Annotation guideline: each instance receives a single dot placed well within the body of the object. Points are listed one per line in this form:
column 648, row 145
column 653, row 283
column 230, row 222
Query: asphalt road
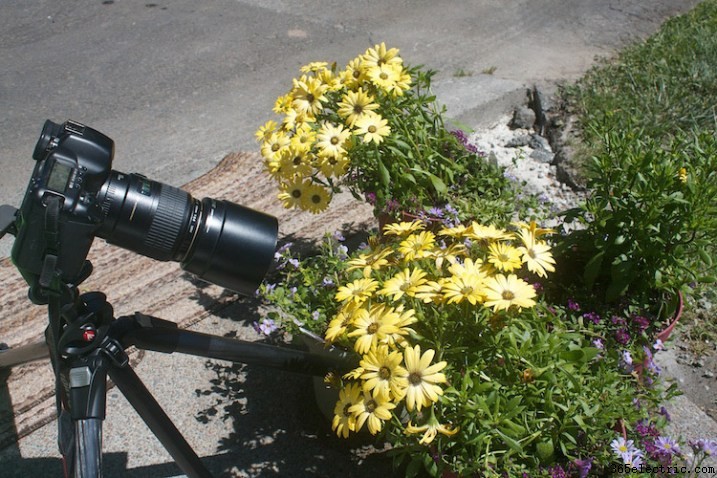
column 180, row 84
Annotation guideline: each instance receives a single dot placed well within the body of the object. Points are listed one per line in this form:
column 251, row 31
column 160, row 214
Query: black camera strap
column 51, row 283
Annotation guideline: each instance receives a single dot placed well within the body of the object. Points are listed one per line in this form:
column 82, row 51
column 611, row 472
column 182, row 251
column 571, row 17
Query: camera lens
column 218, row 241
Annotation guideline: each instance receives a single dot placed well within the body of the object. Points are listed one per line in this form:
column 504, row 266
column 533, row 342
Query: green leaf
column 512, row 443
column 438, row 184
column 384, row 174
column 705, row 256
column 545, row 451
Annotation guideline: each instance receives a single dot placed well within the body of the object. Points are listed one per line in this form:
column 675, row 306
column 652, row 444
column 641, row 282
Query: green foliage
column 650, row 220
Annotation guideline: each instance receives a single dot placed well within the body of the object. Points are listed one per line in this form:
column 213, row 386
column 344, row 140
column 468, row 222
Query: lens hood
column 233, row 247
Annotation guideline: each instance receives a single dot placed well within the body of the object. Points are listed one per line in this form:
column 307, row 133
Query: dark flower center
column 316, row 199
column 296, row 193
column 384, row 373
column 415, row 378
column 372, row 329
column 508, row 295
column 372, row 129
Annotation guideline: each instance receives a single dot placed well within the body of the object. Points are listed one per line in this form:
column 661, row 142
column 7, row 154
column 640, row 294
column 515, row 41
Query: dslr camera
column 216, row 240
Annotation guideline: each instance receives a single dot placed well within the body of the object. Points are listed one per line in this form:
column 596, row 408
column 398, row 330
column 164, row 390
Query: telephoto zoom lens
column 218, row 241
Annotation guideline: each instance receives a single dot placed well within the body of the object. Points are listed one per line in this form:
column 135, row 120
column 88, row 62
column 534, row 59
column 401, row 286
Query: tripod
column 87, row 344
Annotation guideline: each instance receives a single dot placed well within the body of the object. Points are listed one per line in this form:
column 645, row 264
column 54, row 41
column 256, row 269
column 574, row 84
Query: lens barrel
column 218, row 241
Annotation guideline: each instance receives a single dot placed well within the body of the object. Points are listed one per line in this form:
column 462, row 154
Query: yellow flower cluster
column 324, row 115
column 399, row 278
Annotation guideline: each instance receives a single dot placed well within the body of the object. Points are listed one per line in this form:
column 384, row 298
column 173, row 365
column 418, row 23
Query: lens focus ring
column 168, row 220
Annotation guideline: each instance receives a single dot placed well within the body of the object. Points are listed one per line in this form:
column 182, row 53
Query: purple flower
column 599, row 344
column 435, row 212
column 633, row 459
column 663, row 411
column 342, row 252
column 510, row 176
column 621, row 446
column 641, row 323
column 650, row 362
column 622, row 336
column 371, row 198
column 294, row 262
column 708, row 447
column 572, row 305
column 557, row 472
column 617, row 320
column 338, row 236
column 316, row 315
column 327, row 282
column 667, row 445
column 593, row 317
column 267, row 326
column 584, row 466
column 658, row 345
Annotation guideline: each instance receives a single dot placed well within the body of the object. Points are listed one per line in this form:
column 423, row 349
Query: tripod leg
column 158, row 422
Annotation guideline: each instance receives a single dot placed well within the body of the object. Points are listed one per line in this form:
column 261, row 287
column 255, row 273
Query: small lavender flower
column 316, row 315
column 267, row 326
column 584, row 466
column 620, row 446
column 338, row 236
column 663, row 411
column 293, row 291
column 510, row 176
column 667, row 445
column 599, row 344
column 658, row 345
column 572, row 305
column 543, row 198
column 626, row 358
column 650, row 362
column 327, row 282
column 557, row 471
column 708, row 447
column 371, row 198
column 633, row 459
column 593, row 317
column 294, row 262
column 435, row 212
column 342, row 252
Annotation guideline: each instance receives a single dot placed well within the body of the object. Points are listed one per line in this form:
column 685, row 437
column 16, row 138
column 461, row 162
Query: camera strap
column 51, row 283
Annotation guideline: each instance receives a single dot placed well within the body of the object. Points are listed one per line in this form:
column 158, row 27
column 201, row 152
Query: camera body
column 218, row 241
column 72, row 163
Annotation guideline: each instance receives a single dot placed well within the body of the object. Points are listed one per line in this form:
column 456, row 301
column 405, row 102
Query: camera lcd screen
column 58, row 177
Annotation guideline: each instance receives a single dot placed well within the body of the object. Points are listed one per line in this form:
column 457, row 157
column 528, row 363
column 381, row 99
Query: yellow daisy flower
column 682, row 175
column 332, row 140
column 355, row 74
column 504, row 257
column 314, row 66
column 457, row 232
column 266, row 130
column 505, row 292
column 423, row 378
column 317, row 198
column 385, row 76
column 344, row 419
column 283, row 104
column 339, row 324
column 417, row 246
column 334, row 166
column 274, row 145
column 371, row 261
column 292, row 192
column 383, row 374
column 357, row 291
column 450, row 254
column 431, row 291
column 372, row 327
column 373, row 128
column 295, row 162
column 379, row 55
column 469, row 267
column 304, row 137
column 468, row 287
column 373, row 411
column 430, row 430
column 405, row 282
column 538, row 258
column 308, row 95
column 355, row 105
column 489, row 233
column 403, row 228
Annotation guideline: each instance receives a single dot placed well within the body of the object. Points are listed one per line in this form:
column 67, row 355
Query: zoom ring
column 167, row 221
